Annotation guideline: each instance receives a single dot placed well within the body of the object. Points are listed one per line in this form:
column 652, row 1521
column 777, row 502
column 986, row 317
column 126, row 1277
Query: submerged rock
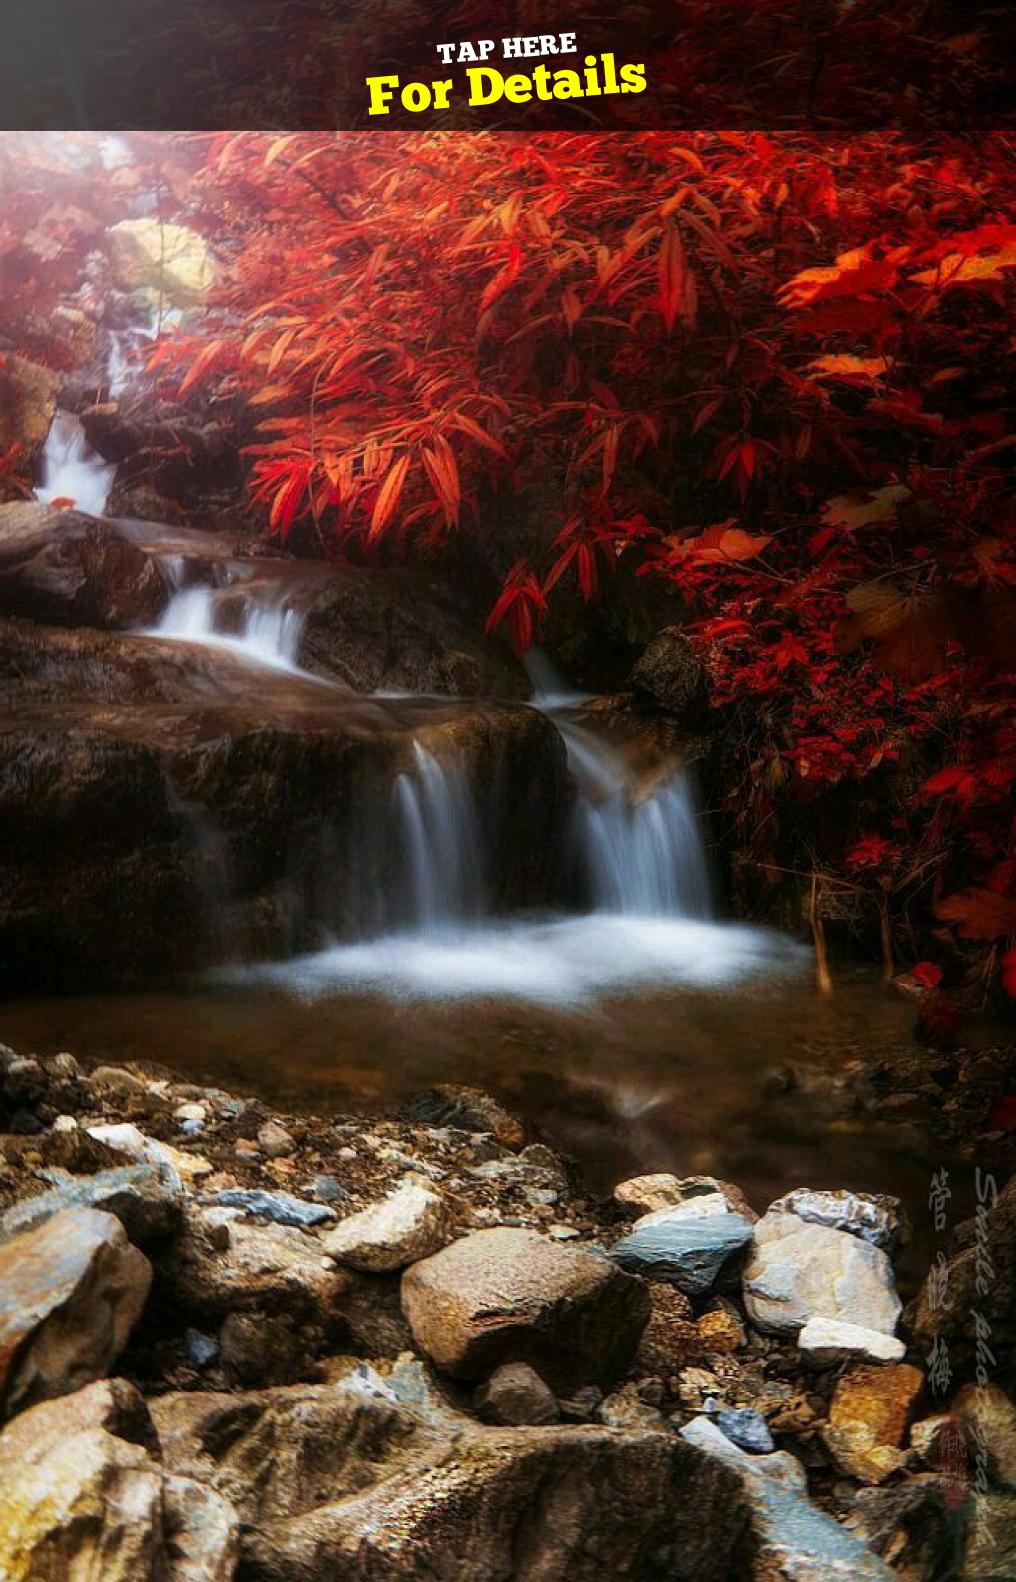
column 71, row 1291
column 692, row 1244
column 797, row 1271
column 411, row 1223
column 509, row 1295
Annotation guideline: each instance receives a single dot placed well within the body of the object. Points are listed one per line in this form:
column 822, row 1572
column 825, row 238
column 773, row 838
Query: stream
column 637, row 1029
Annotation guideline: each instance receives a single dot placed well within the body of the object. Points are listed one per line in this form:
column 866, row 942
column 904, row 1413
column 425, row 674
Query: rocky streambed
column 242, row 1343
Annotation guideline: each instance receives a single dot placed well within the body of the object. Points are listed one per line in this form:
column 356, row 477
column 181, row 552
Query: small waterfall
column 439, row 834
column 71, row 469
column 641, row 858
column 268, row 633
column 638, row 855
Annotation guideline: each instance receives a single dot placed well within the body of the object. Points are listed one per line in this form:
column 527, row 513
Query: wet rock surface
column 542, row 1413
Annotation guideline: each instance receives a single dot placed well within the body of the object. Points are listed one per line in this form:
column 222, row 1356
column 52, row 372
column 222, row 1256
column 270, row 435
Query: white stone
column 825, row 1340
column 798, row 1271
column 411, row 1223
column 127, row 1139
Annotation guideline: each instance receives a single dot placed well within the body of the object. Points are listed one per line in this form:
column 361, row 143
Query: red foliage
column 774, row 370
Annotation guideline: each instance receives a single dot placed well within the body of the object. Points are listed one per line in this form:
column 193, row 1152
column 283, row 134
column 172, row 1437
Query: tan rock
column 868, row 1417
column 71, row 1291
column 27, row 403
column 82, row 1495
column 988, row 1417
column 647, row 1194
column 221, row 1263
column 720, row 1329
column 510, row 1295
column 410, row 1223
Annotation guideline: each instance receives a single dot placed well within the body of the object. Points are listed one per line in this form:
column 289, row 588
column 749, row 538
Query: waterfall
column 71, row 469
column 268, row 628
column 639, row 855
column 439, row 836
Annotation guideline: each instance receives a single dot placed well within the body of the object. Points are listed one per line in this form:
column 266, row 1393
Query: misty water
column 638, row 1030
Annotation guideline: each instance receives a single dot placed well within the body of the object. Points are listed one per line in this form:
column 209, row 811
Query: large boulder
column 74, row 569
column 28, row 393
column 71, row 1291
column 83, row 1494
column 170, row 262
column 376, row 1476
column 386, row 631
column 511, row 1295
column 164, row 805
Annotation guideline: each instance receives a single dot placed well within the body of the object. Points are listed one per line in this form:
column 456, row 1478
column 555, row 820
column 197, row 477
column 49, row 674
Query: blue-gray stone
column 279, row 1207
column 689, row 1253
column 745, row 1428
column 201, row 1349
column 147, row 1200
column 330, row 1190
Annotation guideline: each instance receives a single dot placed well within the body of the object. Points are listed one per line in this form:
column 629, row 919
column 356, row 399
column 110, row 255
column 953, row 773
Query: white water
column 567, row 961
column 439, row 833
column 71, row 469
column 641, row 860
column 269, row 633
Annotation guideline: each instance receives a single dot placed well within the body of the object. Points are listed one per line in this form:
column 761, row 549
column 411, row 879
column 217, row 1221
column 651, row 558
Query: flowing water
column 639, row 1031
column 71, row 470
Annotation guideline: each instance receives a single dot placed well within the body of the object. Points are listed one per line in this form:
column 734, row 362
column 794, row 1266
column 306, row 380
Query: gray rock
column 411, row 1223
column 874, row 1217
column 281, row 1208
column 798, row 1271
column 794, row 1541
column 330, row 1190
column 510, row 1295
column 71, row 1291
column 146, row 1199
column 516, row 1396
column 690, row 1249
column 745, row 1428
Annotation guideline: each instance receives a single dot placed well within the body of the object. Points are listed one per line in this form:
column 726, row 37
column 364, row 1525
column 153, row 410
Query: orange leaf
column 388, row 497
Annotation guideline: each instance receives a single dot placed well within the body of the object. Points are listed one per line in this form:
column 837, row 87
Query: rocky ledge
column 235, row 1343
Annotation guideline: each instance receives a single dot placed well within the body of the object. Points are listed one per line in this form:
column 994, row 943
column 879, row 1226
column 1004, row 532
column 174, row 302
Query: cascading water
column 439, row 833
column 414, row 890
column 267, row 634
column 71, row 469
